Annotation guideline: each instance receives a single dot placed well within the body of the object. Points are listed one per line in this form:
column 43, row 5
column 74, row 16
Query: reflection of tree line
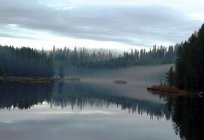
column 23, row 96
column 188, row 115
column 84, row 94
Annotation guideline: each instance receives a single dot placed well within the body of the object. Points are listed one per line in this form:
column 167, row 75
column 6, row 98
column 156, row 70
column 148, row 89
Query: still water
column 96, row 108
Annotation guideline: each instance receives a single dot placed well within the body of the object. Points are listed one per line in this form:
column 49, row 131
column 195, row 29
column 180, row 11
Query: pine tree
column 170, row 77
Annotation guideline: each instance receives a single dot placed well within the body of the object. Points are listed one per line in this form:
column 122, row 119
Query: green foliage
column 25, row 62
column 189, row 64
column 83, row 58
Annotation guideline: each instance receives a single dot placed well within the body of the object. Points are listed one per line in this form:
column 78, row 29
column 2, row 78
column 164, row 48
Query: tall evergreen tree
column 189, row 63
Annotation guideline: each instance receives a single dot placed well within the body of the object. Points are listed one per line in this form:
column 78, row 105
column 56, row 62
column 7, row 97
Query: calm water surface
column 95, row 108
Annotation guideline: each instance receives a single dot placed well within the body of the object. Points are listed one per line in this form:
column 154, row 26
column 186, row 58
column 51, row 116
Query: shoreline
column 167, row 91
column 37, row 80
column 31, row 80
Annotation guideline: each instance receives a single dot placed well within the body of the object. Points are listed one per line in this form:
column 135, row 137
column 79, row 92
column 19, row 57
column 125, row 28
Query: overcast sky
column 112, row 24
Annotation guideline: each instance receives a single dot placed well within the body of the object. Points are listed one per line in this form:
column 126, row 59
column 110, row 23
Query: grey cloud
column 126, row 24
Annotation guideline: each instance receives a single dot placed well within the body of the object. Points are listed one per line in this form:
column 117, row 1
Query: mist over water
column 92, row 108
column 138, row 79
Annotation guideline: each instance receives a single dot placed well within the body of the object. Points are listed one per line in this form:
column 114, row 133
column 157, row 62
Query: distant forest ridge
column 29, row 62
column 102, row 59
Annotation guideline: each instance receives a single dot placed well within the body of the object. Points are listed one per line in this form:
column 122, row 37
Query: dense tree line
column 103, row 59
column 189, row 63
column 25, row 62
column 33, row 63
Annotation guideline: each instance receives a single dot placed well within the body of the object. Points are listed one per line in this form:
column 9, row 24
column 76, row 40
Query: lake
column 97, row 108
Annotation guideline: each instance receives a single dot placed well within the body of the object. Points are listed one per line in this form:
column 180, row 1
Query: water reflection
column 80, row 95
column 24, row 96
column 186, row 113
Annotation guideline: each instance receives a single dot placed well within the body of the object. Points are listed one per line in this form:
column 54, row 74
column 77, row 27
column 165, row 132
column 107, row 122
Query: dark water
column 94, row 109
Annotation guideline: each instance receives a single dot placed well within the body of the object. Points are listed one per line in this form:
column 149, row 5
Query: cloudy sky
column 112, row 24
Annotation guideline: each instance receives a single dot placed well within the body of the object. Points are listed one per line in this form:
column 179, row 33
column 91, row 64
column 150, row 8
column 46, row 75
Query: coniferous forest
column 188, row 57
column 34, row 63
column 83, row 58
column 25, row 62
column 101, row 69
column 189, row 64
